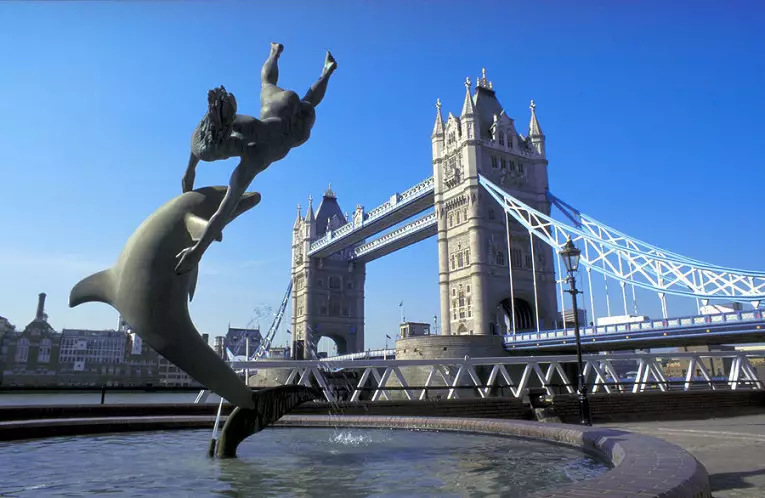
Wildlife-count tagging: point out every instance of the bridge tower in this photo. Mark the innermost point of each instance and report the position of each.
(327, 293)
(476, 294)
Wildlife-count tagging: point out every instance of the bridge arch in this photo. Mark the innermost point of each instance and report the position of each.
(523, 311)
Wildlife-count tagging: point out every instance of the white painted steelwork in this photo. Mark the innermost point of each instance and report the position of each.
(516, 374)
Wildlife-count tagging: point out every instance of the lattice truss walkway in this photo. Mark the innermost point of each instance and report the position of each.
(511, 376)
(629, 261)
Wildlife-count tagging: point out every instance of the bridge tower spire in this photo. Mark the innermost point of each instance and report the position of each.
(475, 252)
(536, 137)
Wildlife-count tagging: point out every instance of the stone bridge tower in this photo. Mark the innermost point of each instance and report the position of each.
(327, 293)
(474, 283)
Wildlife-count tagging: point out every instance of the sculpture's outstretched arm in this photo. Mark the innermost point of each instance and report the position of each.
(243, 174)
(188, 177)
(315, 94)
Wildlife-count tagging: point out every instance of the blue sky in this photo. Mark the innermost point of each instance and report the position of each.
(652, 111)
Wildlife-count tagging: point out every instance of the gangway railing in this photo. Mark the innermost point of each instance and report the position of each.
(372, 353)
(510, 376)
(710, 322)
(396, 202)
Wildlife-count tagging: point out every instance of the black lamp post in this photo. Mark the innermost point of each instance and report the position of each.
(570, 255)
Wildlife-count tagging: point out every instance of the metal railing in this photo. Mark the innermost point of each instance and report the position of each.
(710, 322)
(364, 355)
(511, 376)
(414, 227)
(397, 201)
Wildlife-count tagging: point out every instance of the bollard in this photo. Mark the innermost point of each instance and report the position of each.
(103, 393)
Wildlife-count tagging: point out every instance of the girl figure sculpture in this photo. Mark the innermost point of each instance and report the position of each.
(285, 122)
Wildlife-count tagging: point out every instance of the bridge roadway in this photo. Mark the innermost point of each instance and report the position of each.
(702, 330)
(400, 207)
(409, 234)
(725, 328)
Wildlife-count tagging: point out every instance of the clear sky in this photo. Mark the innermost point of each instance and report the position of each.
(652, 111)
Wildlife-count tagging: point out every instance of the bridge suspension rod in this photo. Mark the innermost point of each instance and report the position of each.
(664, 273)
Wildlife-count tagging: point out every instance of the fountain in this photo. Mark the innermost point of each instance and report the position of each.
(151, 284)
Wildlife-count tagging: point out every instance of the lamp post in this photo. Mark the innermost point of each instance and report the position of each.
(570, 255)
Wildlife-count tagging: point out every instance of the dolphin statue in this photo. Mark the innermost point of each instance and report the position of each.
(144, 287)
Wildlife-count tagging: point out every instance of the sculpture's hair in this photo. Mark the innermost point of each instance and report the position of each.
(216, 125)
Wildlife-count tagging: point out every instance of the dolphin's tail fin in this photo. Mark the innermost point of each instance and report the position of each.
(97, 287)
(271, 404)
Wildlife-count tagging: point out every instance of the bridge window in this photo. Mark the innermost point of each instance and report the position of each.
(494, 161)
(500, 258)
(501, 139)
(349, 284)
(467, 256)
(517, 258)
(300, 311)
(504, 164)
(458, 217)
(491, 213)
(335, 282)
(469, 308)
(454, 292)
(452, 258)
(451, 220)
(520, 168)
(512, 165)
(464, 214)
(528, 261)
(452, 138)
(468, 289)
(334, 309)
(460, 262)
(323, 311)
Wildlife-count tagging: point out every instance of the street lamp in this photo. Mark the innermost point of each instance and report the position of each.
(570, 255)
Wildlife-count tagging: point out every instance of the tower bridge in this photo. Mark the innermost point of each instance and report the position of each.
(489, 205)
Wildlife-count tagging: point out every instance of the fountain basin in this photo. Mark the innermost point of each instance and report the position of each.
(642, 466)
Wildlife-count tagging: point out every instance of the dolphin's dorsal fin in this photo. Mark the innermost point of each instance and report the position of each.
(196, 227)
(98, 287)
(193, 275)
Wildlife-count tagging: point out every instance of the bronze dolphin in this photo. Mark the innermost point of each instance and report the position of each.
(145, 289)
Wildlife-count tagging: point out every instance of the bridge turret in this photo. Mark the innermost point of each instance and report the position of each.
(309, 225)
(298, 220)
(437, 137)
(536, 137)
(296, 235)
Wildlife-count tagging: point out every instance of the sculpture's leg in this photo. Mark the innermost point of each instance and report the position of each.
(271, 404)
(269, 75)
(315, 94)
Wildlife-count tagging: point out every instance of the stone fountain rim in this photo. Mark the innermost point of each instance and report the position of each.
(643, 466)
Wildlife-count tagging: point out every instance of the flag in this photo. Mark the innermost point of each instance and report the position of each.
(288, 332)
(386, 335)
(401, 304)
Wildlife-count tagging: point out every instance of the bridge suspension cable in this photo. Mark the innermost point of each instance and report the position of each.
(646, 266)
(265, 344)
